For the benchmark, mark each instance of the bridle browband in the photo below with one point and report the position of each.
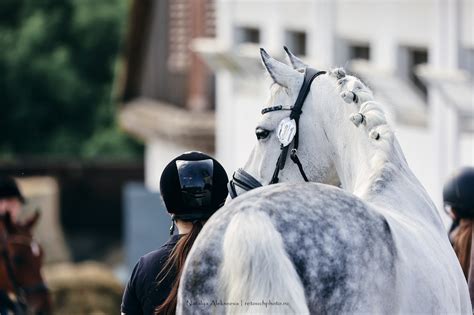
(247, 182)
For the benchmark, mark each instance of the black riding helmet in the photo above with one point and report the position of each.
(458, 192)
(193, 186)
(9, 188)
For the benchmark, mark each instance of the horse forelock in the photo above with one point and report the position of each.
(290, 92)
(276, 92)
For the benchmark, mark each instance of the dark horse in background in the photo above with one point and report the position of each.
(22, 288)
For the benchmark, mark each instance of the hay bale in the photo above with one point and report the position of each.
(85, 288)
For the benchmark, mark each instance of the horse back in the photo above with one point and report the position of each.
(341, 249)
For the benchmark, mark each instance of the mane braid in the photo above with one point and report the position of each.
(371, 117)
(372, 112)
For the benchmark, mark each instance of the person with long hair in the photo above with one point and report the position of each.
(193, 186)
(458, 196)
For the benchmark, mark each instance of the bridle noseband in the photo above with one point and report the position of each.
(247, 182)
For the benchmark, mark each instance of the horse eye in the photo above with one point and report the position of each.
(261, 133)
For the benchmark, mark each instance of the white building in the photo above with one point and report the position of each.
(417, 55)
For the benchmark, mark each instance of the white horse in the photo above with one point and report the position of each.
(375, 246)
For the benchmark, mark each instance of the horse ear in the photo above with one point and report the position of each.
(296, 62)
(280, 72)
(32, 221)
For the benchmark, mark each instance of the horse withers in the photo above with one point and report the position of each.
(22, 288)
(375, 245)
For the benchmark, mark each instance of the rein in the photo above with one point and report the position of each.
(288, 133)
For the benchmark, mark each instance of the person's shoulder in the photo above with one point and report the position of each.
(155, 255)
(159, 255)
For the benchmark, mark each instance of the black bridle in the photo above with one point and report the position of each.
(247, 182)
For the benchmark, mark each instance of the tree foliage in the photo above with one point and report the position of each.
(57, 67)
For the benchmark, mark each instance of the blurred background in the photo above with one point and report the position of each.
(97, 96)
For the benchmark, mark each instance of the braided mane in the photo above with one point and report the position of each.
(370, 116)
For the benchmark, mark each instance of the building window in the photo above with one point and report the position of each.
(187, 20)
(247, 35)
(296, 42)
(359, 51)
(466, 60)
(179, 35)
(417, 56)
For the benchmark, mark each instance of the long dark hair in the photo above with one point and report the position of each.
(176, 262)
(462, 244)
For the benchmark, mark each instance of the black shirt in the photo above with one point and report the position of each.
(143, 293)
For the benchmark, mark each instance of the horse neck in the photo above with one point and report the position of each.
(377, 172)
(396, 189)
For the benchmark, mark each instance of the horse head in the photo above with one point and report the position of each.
(339, 135)
(21, 263)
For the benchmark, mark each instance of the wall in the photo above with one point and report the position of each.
(158, 154)
(385, 25)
